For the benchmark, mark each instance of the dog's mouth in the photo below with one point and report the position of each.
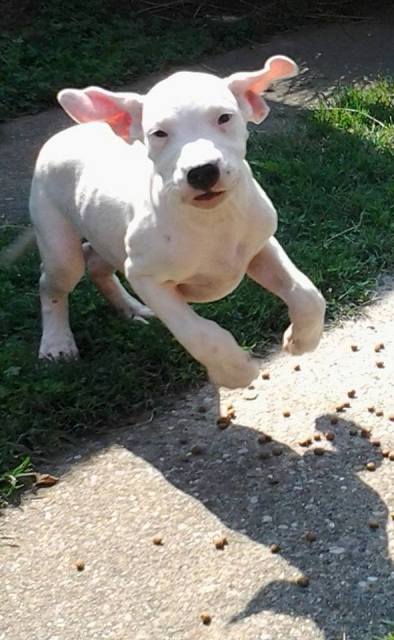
(208, 195)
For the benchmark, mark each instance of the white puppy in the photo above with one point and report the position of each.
(177, 211)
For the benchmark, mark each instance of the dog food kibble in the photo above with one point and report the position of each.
(351, 393)
(330, 436)
(220, 542)
(264, 455)
(197, 450)
(264, 438)
(286, 413)
(277, 451)
(310, 536)
(297, 367)
(80, 565)
(306, 442)
(319, 451)
(303, 581)
(353, 431)
(158, 541)
(205, 618)
(317, 437)
(379, 413)
(334, 420)
(380, 364)
(365, 433)
(385, 453)
(379, 347)
(392, 515)
(346, 405)
(391, 417)
(223, 422)
(265, 375)
(375, 442)
(340, 407)
(391, 456)
(373, 524)
(371, 409)
(370, 466)
(274, 548)
(354, 347)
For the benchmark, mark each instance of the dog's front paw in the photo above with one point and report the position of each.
(58, 348)
(299, 340)
(234, 374)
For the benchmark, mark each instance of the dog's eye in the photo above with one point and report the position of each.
(160, 133)
(225, 117)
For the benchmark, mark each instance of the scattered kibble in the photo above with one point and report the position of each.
(265, 375)
(297, 367)
(370, 466)
(274, 548)
(277, 451)
(264, 438)
(386, 453)
(80, 565)
(346, 405)
(286, 413)
(365, 433)
(334, 420)
(380, 364)
(205, 618)
(303, 581)
(223, 422)
(319, 451)
(379, 347)
(306, 442)
(371, 409)
(220, 542)
(391, 456)
(197, 450)
(310, 536)
(354, 347)
(158, 541)
(330, 436)
(373, 524)
(379, 413)
(391, 417)
(375, 442)
(340, 407)
(392, 515)
(317, 437)
(351, 393)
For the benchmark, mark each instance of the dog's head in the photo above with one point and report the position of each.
(193, 125)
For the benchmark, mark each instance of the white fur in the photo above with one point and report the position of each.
(132, 203)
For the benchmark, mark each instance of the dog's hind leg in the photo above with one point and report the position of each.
(105, 279)
(62, 266)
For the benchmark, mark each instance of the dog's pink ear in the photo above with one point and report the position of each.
(248, 86)
(122, 111)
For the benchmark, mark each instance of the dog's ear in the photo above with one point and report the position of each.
(122, 111)
(247, 87)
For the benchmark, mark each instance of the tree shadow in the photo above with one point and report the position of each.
(351, 575)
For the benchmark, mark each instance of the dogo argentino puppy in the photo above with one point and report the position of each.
(159, 187)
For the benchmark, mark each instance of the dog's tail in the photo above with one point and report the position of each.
(17, 248)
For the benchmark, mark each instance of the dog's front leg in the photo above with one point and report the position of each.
(274, 270)
(227, 364)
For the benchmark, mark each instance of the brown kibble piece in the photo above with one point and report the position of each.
(330, 436)
(274, 548)
(375, 442)
(334, 420)
(286, 413)
(264, 438)
(379, 413)
(391, 417)
(306, 442)
(197, 450)
(297, 367)
(265, 375)
(365, 433)
(158, 541)
(340, 407)
(370, 466)
(351, 393)
(80, 565)
(205, 618)
(303, 581)
(319, 451)
(391, 456)
(317, 437)
(380, 364)
(379, 347)
(220, 542)
(310, 536)
(277, 451)
(373, 524)
(354, 347)
(371, 409)
(392, 515)
(346, 405)
(386, 453)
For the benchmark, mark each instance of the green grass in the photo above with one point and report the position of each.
(74, 43)
(332, 182)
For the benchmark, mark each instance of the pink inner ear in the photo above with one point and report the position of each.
(107, 110)
(258, 104)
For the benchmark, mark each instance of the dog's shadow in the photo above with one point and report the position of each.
(351, 576)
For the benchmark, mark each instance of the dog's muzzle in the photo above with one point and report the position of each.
(203, 177)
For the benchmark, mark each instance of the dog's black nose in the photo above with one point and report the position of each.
(203, 177)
